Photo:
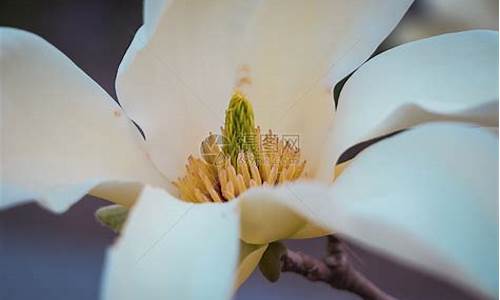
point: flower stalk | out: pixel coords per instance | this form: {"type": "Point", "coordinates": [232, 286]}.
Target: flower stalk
{"type": "Point", "coordinates": [336, 269]}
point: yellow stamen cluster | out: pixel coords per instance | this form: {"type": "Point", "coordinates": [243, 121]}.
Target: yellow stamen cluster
{"type": "Point", "coordinates": [241, 160]}
{"type": "Point", "coordinates": [214, 178]}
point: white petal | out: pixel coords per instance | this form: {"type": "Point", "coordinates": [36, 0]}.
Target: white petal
{"type": "Point", "coordinates": [177, 77]}
{"type": "Point", "coordinates": [276, 213]}
{"type": "Point", "coordinates": [177, 81]}
{"type": "Point", "coordinates": [62, 135]}
{"type": "Point", "coordinates": [295, 52]}
{"type": "Point", "coordinates": [171, 249]}
{"type": "Point", "coordinates": [432, 17]}
{"type": "Point", "coordinates": [250, 256]}
{"type": "Point", "coordinates": [448, 77]}
{"type": "Point", "coordinates": [293, 46]}
{"type": "Point", "coordinates": [427, 196]}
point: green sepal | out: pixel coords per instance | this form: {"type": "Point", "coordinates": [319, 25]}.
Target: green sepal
{"type": "Point", "coordinates": [270, 263]}
{"type": "Point", "coordinates": [112, 216]}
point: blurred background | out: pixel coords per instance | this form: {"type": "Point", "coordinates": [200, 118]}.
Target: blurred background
{"type": "Point", "coordinates": [47, 256]}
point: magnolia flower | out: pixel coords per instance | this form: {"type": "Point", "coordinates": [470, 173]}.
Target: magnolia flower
{"type": "Point", "coordinates": [426, 196]}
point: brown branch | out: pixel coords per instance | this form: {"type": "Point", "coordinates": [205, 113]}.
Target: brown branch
{"type": "Point", "coordinates": [336, 270]}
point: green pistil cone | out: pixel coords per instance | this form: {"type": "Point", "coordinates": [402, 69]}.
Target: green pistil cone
{"type": "Point", "coordinates": [239, 128]}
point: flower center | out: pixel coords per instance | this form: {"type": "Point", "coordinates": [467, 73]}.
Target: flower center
{"type": "Point", "coordinates": [239, 159]}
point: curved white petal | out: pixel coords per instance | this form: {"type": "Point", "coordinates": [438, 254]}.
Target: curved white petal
{"type": "Point", "coordinates": [448, 77]}
{"type": "Point", "coordinates": [295, 51]}
{"type": "Point", "coordinates": [275, 213]}
{"type": "Point", "coordinates": [281, 212]}
{"type": "Point", "coordinates": [177, 76]}
{"type": "Point", "coordinates": [432, 17]}
{"type": "Point", "coordinates": [171, 249]}
{"type": "Point", "coordinates": [62, 135]}
{"type": "Point", "coordinates": [177, 79]}
{"type": "Point", "coordinates": [250, 256]}
{"type": "Point", "coordinates": [427, 196]}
